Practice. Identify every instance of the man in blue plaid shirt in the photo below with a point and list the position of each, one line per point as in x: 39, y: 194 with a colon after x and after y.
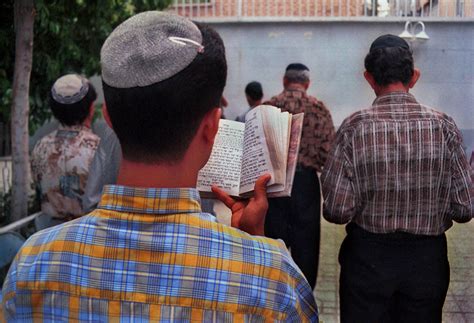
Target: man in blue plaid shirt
x: 148, y: 252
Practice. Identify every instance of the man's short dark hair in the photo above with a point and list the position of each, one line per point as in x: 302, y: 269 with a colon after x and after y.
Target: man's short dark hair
x: 156, y: 123
x: 297, y: 67
x: 297, y: 73
x: 75, y: 113
x: 390, y: 65
x: 254, y: 90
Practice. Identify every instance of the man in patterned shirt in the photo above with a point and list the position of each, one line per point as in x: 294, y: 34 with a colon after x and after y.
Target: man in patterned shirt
x: 60, y: 161
x: 297, y: 219
x: 399, y: 176
x: 148, y: 252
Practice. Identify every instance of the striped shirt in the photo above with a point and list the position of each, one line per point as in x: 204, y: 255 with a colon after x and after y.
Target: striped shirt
x: 398, y: 166
x: 152, y: 255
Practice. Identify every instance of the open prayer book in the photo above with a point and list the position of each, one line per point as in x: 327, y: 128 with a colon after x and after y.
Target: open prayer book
x: 268, y: 142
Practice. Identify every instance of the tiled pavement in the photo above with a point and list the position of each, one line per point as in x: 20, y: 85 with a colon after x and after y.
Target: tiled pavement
x: 459, y: 305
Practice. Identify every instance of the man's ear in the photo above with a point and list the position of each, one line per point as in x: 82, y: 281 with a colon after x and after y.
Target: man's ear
x: 370, y: 79
x: 210, y: 124
x: 414, y: 78
x: 306, y: 85
x: 105, y: 113
x: 285, y: 82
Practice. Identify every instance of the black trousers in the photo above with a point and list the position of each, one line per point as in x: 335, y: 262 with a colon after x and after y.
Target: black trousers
x: 297, y: 221
x: 396, y: 277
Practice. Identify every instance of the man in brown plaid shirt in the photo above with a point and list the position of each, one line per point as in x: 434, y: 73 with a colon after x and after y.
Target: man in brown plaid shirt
x: 399, y: 176
x: 297, y: 219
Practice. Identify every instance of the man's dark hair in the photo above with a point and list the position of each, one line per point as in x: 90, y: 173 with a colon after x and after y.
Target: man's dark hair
x: 75, y: 113
x: 254, y: 90
x: 390, y: 65
x: 156, y: 123
x: 297, y: 67
x: 297, y: 73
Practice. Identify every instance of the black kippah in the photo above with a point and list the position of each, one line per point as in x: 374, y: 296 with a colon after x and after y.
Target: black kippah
x: 389, y: 41
x: 297, y: 67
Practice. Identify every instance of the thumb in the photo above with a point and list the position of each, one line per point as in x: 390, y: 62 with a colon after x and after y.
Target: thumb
x: 260, y: 190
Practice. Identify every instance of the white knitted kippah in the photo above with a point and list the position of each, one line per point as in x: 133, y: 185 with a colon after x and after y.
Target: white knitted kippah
x: 148, y: 48
x: 69, y: 89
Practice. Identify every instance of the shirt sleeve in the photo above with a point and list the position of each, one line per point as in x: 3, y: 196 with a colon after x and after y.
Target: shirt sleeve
x: 303, y: 308
x: 462, y: 179
x: 337, y: 185
x: 327, y: 131
x: 8, y: 301
x: 34, y: 163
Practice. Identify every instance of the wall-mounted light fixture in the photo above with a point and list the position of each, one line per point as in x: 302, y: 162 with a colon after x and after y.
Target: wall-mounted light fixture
x: 410, y: 31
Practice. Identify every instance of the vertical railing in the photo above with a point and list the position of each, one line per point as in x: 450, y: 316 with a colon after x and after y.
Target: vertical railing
x: 5, y: 174
x: 5, y: 185
x: 209, y: 9
x: 5, y: 166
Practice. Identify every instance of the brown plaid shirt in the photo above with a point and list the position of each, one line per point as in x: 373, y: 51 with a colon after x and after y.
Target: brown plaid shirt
x: 318, y: 130
x: 398, y: 166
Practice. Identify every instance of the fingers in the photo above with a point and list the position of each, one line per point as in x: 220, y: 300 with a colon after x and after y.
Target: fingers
x: 223, y: 196
x: 260, y: 190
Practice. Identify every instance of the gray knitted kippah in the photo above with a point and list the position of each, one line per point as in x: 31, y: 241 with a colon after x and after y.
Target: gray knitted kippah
x: 70, y: 89
x: 148, y: 48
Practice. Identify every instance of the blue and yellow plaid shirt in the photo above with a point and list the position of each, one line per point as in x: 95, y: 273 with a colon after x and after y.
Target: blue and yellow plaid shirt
x: 152, y: 255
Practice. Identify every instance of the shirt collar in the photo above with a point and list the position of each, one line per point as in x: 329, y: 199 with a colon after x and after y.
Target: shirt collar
x: 150, y: 200
x: 398, y: 97
x: 74, y: 128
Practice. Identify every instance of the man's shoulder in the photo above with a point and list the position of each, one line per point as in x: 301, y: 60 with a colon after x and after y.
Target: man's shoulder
x: 316, y: 103
x: 242, y: 239
x: 254, y: 250
x: 88, y: 136
x: 48, y: 240
x: 359, y: 115
x: 434, y: 113
x: 46, y: 140
x: 218, y: 233
x: 44, y: 147
x: 418, y: 112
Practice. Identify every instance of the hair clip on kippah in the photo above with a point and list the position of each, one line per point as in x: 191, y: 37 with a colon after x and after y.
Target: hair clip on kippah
x: 183, y: 41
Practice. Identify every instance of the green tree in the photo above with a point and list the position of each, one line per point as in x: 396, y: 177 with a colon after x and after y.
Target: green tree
x: 40, y: 41
x: 68, y: 35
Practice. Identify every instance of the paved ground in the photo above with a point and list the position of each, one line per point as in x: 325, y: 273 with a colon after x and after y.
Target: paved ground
x: 459, y: 305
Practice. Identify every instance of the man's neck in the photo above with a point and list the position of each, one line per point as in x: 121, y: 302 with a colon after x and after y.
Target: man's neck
x: 394, y: 87
x: 295, y: 86
x: 256, y: 104
x: 160, y: 175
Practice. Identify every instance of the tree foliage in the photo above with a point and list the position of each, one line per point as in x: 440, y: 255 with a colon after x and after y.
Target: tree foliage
x: 68, y: 35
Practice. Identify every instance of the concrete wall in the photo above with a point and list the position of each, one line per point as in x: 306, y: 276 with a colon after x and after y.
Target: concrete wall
x: 334, y: 52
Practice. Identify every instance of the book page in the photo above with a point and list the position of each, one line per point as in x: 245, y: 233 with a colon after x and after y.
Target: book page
x: 276, y: 127
x: 255, y: 156
x: 223, y: 166
x: 293, y: 150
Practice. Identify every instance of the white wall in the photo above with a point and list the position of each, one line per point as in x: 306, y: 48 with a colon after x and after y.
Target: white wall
x: 334, y: 52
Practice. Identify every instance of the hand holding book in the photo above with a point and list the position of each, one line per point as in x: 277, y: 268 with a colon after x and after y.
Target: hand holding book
x: 248, y: 215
